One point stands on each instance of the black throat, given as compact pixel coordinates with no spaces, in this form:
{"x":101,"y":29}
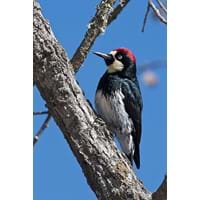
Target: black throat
{"x":110,"y":82}
{"x":128,"y":72}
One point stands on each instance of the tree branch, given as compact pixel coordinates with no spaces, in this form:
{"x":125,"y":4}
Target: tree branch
{"x":107,"y":170}
{"x":103,"y":17}
{"x":156,"y":12}
{"x":161,"y":192}
{"x":145,"y":17}
{"x":115,"y":13}
{"x":40,"y":113}
{"x":41,"y":130}
{"x":162,"y":6}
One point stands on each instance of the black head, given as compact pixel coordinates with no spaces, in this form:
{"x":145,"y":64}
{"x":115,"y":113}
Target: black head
{"x":119,"y":60}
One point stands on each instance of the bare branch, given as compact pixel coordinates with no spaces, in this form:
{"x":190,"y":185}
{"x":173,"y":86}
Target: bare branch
{"x":106,"y":168}
{"x":96,"y":26}
{"x":103,"y":17}
{"x":41,"y":130}
{"x":145,"y":17}
{"x":40,"y":113}
{"x":162,"y":6}
{"x":157,"y":12}
{"x":161,"y":192}
{"x":114,"y":14}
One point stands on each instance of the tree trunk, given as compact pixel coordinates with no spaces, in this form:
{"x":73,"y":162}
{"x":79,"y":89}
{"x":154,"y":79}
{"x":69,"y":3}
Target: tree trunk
{"x":106,"y":169}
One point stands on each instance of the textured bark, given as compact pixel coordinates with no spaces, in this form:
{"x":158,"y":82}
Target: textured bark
{"x":105,"y":14}
{"x":96,"y":26}
{"x":106,"y":169}
{"x":161,"y":192}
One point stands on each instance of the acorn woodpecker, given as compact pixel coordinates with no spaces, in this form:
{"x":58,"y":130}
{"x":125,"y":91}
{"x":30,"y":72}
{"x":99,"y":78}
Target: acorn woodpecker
{"x":118,"y":100}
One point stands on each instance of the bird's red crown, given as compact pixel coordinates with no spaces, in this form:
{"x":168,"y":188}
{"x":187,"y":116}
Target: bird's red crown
{"x":127,"y":52}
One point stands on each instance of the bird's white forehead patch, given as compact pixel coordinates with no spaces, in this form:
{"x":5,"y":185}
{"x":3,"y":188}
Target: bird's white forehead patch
{"x":116,"y":66}
{"x":113,"y":52}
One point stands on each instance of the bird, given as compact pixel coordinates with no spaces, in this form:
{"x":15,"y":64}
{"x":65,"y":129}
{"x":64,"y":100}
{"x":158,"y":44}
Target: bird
{"x":118,"y":101}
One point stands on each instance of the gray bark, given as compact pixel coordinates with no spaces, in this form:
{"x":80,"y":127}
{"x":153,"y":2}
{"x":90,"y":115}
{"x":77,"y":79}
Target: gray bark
{"x":105,"y":15}
{"x":96,"y":26}
{"x":106,"y":169}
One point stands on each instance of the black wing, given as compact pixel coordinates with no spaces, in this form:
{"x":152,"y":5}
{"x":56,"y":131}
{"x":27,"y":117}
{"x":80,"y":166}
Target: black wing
{"x":133,"y":105}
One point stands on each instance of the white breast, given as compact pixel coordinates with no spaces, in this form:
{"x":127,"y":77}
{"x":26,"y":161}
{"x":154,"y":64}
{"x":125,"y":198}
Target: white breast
{"x":113,"y":112}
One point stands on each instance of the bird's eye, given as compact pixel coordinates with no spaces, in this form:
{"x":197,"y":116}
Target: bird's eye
{"x":119,"y":56}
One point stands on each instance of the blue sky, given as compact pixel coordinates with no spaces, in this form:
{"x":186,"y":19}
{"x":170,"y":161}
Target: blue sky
{"x":57,"y":174}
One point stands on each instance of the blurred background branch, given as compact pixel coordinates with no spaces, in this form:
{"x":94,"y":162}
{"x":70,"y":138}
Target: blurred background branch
{"x":147,"y":71}
{"x":86,"y":134}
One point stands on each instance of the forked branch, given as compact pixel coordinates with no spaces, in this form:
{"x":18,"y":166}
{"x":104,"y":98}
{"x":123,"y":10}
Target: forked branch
{"x":156,"y":12}
{"x":105,"y":14}
{"x":105,"y":167}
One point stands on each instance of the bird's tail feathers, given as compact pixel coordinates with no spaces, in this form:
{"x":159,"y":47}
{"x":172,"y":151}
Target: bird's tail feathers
{"x":136,"y":156}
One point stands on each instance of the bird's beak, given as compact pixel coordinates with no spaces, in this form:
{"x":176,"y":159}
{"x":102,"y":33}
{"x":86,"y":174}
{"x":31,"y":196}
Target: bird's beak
{"x":103,"y":55}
